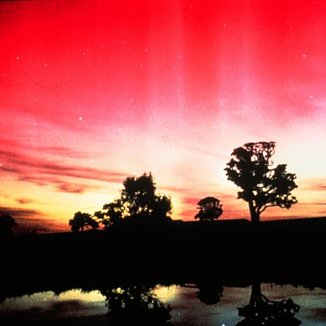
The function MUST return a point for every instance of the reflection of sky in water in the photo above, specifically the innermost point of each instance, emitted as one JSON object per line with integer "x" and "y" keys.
{"x": 186, "y": 308}
{"x": 72, "y": 303}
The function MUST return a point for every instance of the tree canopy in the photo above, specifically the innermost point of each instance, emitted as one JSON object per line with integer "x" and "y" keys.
{"x": 81, "y": 221}
{"x": 263, "y": 186}
{"x": 262, "y": 311}
{"x": 138, "y": 202}
{"x": 209, "y": 209}
{"x": 135, "y": 305}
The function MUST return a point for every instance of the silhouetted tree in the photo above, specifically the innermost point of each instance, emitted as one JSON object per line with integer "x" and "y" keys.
{"x": 135, "y": 305}
{"x": 209, "y": 209}
{"x": 7, "y": 223}
{"x": 262, "y": 311}
{"x": 262, "y": 186}
{"x": 113, "y": 214}
{"x": 138, "y": 202}
{"x": 81, "y": 221}
{"x": 209, "y": 293}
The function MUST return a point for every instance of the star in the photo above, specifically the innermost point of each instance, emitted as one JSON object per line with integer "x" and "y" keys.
{"x": 80, "y": 118}
{"x": 304, "y": 55}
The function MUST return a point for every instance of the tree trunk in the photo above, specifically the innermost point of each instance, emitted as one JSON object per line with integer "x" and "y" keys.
{"x": 255, "y": 293}
{"x": 253, "y": 214}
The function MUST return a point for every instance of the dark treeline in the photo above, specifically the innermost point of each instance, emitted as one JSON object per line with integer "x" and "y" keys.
{"x": 234, "y": 252}
{"x": 250, "y": 168}
{"x": 141, "y": 246}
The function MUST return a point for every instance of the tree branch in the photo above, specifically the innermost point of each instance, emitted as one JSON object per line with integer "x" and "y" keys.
{"x": 262, "y": 209}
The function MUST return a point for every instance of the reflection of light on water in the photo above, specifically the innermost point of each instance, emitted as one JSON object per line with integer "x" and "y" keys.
{"x": 186, "y": 308}
{"x": 166, "y": 293}
{"x": 90, "y": 303}
{"x": 77, "y": 294}
{"x": 27, "y": 301}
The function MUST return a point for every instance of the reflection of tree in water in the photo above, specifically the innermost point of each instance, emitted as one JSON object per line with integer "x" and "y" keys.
{"x": 209, "y": 293}
{"x": 135, "y": 305}
{"x": 264, "y": 312}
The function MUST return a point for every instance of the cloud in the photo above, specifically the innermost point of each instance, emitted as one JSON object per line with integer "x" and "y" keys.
{"x": 319, "y": 187}
{"x": 40, "y": 225}
{"x": 62, "y": 186}
{"x": 19, "y": 212}
{"x": 174, "y": 189}
{"x": 23, "y": 201}
{"x": 43, "y": 172}
{"x": 314, "y": 184}
{"x": 191, "y": 201}
{"x": 30, "y": 220}
{"x": 73, "y": 187}
{"x": 62, "y": 151}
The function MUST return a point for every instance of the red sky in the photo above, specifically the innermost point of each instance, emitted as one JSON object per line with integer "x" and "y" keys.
{"x": 94, "y": 91}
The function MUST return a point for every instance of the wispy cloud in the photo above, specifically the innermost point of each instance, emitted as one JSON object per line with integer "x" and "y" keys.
{"x": 314, "y": 184}
{"x": 32, "y": 220}
{"x": 74, "y": 188}
{"x": 62, "y": 151}
{"x": 43, "y": 172}
{"x": 8, "y": 144}
{"x": 191, "y": 201}
{"x": 24, "y": 201}
{"x": 19, "y": 212}
{"x": 319, "y": 187}
{"x": 40, "y": 225}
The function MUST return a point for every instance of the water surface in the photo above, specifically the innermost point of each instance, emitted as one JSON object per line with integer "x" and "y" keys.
{"x": 186, "y": 308}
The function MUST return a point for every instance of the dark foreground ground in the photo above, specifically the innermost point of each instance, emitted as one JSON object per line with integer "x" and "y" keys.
{"x": 232, "y": 253}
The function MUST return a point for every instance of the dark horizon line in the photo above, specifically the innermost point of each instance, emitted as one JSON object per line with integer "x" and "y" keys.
{"x": 66, "y": 228}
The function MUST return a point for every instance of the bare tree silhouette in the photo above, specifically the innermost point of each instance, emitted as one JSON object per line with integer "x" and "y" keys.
{"x": 209, "y": 209}
{"x": 262, "y": 186}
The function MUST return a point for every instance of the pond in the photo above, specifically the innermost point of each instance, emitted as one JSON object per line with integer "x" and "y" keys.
{"x": 187, "y": 304}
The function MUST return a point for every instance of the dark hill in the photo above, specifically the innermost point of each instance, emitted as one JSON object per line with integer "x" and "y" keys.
{"x": 231, "y": 252}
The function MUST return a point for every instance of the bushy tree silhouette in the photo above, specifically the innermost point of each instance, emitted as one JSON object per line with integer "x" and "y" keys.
{"x": 209, "y": 209}
{"x": 7, "y": 223}
{"x": 135, "y": 305}
{"x": 209, "y": 293}
{"x": 262, "y": 186}
{"x": 113, "y": 213}
{"x": 262, "y": 311}
{"x": 81, "y": 221}
{"x": 138, "y": 202}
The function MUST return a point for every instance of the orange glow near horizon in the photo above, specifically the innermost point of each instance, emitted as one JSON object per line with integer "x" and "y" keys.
{"x": 93, "y": 92}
